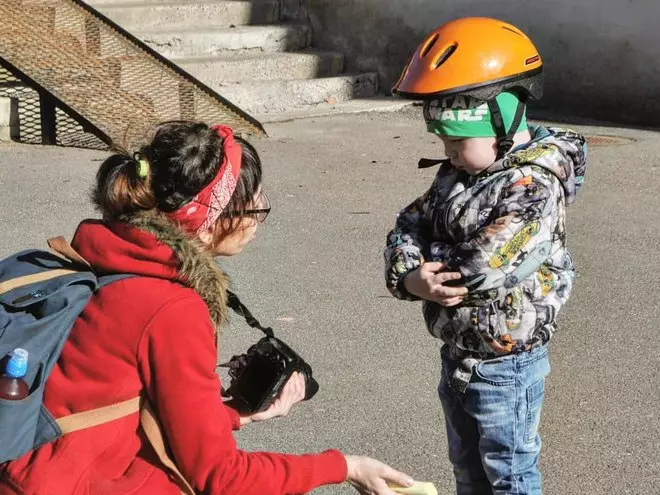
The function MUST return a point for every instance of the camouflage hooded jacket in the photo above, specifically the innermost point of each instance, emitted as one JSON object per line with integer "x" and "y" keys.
{"x": 504, "y": 231}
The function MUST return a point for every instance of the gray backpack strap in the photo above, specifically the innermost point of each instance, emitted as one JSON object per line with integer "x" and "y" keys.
{"x": 108, "y": 279}
{"x": 61, "y": 246}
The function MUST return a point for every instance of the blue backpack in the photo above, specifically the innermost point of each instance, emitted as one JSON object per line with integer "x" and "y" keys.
{"x": 41, "y": 295}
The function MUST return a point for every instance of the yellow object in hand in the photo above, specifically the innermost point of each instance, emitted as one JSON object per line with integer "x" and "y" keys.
{"x": 416, "y": 489}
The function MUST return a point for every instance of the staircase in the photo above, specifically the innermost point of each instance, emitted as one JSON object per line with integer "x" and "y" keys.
{"x": 240, "y": 49}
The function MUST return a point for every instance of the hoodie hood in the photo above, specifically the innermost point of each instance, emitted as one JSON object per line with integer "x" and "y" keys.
{"x": 561, "y": 151}
{"x": 152, "y": 246}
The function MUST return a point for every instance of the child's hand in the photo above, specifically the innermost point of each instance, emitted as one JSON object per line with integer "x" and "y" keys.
{"x": 427, "y": 282}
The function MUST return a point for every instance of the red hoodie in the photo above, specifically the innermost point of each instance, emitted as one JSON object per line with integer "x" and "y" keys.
{"x": 150, "y": 335}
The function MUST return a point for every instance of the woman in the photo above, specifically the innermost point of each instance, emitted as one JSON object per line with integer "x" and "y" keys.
{"x": 193, "y": 193}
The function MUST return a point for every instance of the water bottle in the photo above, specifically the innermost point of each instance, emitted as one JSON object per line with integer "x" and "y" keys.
{"x": 12, "y": 385}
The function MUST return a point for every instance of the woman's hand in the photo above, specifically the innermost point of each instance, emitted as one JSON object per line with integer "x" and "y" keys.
{"x": 370, "y": 477}
{"x": 427, "y": 282}
{"x": 292, "y": 393}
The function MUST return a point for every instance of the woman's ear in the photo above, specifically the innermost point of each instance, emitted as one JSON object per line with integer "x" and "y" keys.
{"x": 206, "y": 237}
{"x": 218, "y": 231}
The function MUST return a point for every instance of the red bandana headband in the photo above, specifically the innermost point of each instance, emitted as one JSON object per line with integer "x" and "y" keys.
{"x": 202, "y": 212}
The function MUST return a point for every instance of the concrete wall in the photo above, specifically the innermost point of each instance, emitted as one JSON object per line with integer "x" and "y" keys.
{"x": 8, "y": 119}
{"x": 602, "y": 57}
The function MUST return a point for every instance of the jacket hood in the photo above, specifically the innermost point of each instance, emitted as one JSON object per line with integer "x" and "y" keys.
{"x": 152, "y": 246}
{"x": 561, "y": 151}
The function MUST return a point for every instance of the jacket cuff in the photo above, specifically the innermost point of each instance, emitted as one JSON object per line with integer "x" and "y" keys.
{"x": 401, "y": 291}
{"x": 328, "y": 468}
{"x": 234, "y": 417}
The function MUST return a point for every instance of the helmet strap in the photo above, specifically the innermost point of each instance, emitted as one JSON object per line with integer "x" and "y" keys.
{"x": 504, "y": 137}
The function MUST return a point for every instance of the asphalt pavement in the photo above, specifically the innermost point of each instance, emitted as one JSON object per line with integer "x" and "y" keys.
{"x": 315, "y": 273}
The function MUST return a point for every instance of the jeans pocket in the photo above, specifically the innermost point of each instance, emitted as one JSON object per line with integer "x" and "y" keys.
{"x": 534, "y": 396}
{"x": 500, "y": 372}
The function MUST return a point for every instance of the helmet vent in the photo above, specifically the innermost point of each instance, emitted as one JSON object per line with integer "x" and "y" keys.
{"x": 429, "y": 45}
{"x": 514, "y": 31}
{"x": 445, "y": 55}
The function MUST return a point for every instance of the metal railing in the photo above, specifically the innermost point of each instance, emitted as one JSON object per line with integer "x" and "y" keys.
{"x": 93, "y": 83}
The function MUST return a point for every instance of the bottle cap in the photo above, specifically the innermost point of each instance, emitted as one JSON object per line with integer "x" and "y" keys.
{"x": 17, "y": 364}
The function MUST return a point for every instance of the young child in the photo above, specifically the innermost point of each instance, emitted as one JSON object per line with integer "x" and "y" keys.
{"x": 485, "y": 246}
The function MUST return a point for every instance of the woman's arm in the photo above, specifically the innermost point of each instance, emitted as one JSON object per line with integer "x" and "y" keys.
{"x": 177, "y": 357}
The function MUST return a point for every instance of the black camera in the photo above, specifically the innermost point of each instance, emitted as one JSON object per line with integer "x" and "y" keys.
{"x": 258, "y": 376}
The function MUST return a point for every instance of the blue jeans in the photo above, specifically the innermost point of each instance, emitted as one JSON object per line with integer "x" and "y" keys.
{"x": 492, "y": 428}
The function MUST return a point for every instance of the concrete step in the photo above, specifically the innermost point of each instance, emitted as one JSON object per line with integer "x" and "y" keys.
{"x": 232, "y": 68}
{"x": 134, "y": 15}
{"x": 261, "y": 97}
{"x": 378, "y": 104}
{"x": 96, "y": 3}
{"x": 242, "y": 39}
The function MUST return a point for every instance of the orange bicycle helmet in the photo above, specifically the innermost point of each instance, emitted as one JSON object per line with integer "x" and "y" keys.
{"x": 474, "y": 56}
{"x": 477, "y": 57}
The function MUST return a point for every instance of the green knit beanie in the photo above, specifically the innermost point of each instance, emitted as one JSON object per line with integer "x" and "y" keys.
{"x": 464, "y": 117}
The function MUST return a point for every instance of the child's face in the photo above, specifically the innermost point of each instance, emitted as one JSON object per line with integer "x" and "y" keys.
{"x": 474, "y": 155}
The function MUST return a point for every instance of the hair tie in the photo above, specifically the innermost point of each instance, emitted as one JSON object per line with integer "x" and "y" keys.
{"x": 143, "y": 169}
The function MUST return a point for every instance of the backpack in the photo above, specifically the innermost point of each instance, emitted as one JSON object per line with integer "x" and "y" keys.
{"x": 41, "y": 295}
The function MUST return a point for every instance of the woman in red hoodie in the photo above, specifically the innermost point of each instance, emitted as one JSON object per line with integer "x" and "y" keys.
{"x": 191, "y": 194}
